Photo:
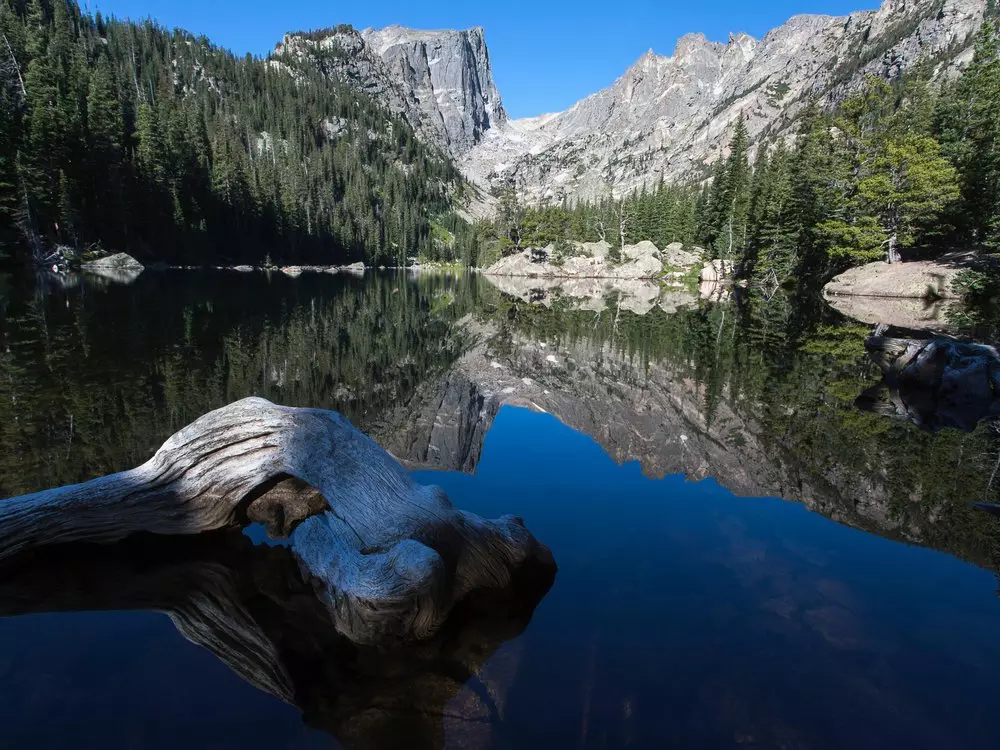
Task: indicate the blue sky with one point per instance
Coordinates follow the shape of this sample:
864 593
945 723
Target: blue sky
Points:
546 54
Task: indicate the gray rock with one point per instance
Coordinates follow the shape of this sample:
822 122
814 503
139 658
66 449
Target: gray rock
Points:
590 261
674 254
119 261
439 81
716 271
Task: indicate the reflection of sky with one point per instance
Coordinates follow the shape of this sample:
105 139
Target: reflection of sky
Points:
681 617
683 612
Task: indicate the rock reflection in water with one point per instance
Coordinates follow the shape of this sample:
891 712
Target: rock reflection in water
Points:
249 606
934 383
637 296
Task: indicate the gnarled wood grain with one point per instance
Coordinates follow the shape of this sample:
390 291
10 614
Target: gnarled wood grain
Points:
251 608
388 556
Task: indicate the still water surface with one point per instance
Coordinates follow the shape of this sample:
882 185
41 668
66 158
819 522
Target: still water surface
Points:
746 559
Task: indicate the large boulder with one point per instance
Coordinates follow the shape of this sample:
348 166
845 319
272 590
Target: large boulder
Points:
674 254
717 270
920 279
641 250
118 261
597 250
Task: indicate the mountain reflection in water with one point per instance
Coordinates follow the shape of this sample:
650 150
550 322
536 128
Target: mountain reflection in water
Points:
683 615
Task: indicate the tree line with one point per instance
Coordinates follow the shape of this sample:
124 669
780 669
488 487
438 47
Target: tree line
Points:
160 144
908 167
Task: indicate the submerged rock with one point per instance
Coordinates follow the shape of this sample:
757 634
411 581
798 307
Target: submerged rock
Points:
934 383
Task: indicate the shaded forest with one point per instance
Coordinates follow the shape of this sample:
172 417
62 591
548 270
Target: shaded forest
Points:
127 137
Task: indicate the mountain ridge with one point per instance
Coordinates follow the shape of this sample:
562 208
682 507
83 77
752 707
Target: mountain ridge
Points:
665 117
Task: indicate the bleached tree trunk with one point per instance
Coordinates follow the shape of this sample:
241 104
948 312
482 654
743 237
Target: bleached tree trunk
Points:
388 556
15 64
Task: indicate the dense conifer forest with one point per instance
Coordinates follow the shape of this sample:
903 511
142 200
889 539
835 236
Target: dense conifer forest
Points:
123 136
899 169
127 136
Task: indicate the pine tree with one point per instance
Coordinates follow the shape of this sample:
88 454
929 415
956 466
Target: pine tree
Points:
969 130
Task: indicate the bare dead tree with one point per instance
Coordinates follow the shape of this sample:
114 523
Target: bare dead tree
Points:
135 69
996 466
624 215
14 65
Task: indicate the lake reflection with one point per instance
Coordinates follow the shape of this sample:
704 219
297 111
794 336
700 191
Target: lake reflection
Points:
693 608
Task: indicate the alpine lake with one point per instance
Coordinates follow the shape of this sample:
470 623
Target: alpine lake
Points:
753 552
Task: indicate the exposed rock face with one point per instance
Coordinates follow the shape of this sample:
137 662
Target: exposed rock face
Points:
717 270
449 73
439 81
671 116
589 260
666 117
921 279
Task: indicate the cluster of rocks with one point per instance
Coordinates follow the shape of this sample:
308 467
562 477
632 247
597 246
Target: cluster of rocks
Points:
593 260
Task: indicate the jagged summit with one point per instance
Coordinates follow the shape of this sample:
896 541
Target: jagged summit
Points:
439 80
665 117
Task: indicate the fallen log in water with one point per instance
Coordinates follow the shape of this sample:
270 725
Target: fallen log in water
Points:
389 557
250 607
935 383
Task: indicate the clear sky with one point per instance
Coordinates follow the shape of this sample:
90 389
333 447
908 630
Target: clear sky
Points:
546 54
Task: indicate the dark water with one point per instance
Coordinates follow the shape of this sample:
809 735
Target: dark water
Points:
746 559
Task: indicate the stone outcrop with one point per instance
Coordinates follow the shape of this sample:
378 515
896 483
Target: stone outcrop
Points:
120 268
450 74
591 260
667 117
118 261
717 271
918 279
439 81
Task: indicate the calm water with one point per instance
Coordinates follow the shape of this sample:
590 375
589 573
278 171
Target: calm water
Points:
746 559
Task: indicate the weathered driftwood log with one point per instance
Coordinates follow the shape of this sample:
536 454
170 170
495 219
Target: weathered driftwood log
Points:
935 383
250 606
390 557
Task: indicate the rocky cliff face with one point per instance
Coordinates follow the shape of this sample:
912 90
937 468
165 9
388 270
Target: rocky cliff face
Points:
439 81
671 116
666 117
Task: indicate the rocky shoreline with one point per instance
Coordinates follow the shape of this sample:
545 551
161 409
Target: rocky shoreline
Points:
916 294
593 260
